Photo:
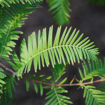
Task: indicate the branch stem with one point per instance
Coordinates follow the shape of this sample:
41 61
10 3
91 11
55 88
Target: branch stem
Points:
49 84
67 85
7 69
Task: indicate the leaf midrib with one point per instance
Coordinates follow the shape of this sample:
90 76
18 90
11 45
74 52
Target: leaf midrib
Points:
55 47
57 97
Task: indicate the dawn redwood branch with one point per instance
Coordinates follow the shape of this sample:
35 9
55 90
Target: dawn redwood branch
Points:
8 69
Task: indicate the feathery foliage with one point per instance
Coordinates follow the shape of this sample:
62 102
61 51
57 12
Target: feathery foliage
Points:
61 10
44 51
55 96
99 2
2 77
94 96
58 71
92 69
39 88
8 88
10 19
9 2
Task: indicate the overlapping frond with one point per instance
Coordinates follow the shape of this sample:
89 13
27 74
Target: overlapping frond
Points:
9 2
7 90
55 97
11 18
92 69
2 77
69 46
94 96
39 88
61 10
58 71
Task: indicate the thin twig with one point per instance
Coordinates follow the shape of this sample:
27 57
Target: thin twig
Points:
8 69
50 84
65 85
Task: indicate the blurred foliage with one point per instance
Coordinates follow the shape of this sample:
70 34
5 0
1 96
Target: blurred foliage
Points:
98 2
60 10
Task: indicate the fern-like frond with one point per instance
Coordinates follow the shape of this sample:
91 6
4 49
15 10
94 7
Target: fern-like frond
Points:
55 97
58 71
69 46
92 69
9 2
7 89
61 10
94 96
39 88
11 18
2 82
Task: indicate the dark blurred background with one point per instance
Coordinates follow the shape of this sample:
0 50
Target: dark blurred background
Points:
87 17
